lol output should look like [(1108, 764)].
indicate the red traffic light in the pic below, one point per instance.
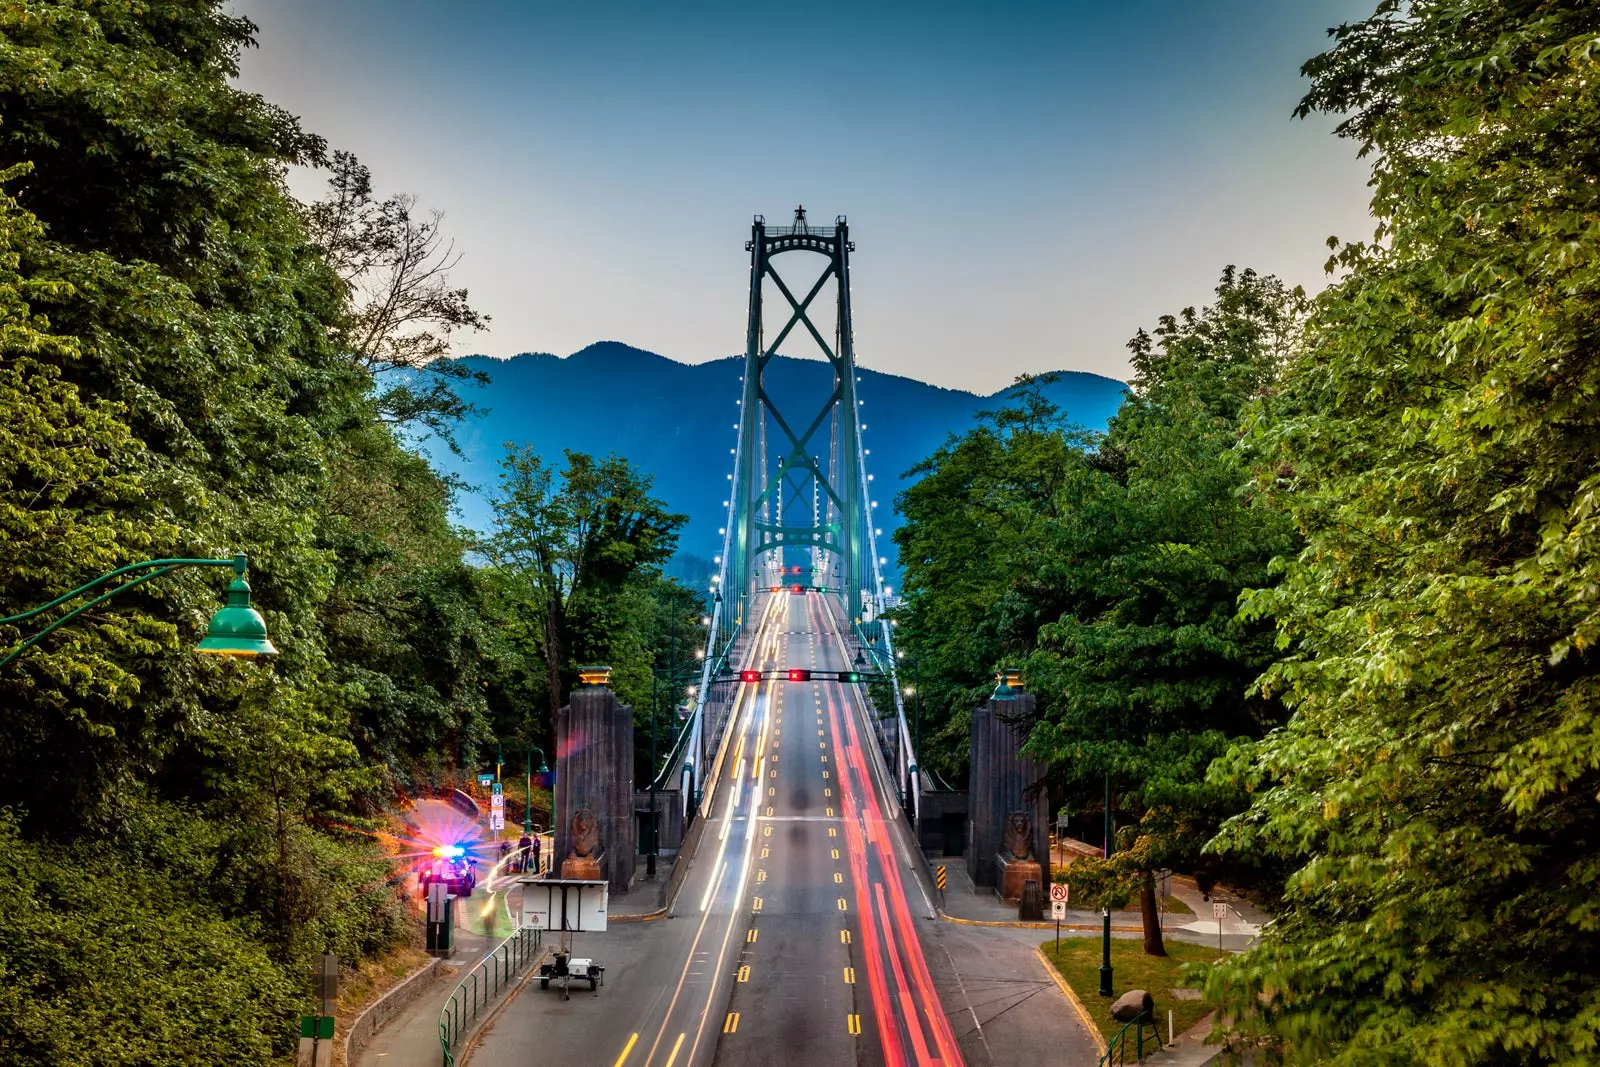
[(749, 676), (794, 570), (796, 674), (797, 589)]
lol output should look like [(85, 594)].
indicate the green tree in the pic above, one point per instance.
[(1435, 788), (1143, 673), (580, 543)]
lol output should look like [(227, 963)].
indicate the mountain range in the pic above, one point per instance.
[(675, 421)]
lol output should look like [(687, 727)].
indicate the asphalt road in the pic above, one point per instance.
[(802, 933)]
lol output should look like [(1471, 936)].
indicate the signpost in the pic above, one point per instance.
[(316, 1031), (1219, 911), (1059, 892), (485, 780), (497, 809)]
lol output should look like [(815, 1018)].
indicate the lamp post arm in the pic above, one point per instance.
[(237, 563), (163, 566)]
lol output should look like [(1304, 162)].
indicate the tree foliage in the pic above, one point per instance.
[(1436, 787), (189, 367)]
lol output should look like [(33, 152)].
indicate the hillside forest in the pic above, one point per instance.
[(194, 364)]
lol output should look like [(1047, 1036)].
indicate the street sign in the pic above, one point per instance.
[(1058, 910), (1058, 893), (497, 802), (497, 820), (1219, 910), (495, 788), (1163, 882), (939, 877), (497, 809), (485, 779)]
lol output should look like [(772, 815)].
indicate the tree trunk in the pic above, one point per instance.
[(1153, 945), (554, 653)]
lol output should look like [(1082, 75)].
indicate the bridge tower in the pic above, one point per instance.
[(798, 479)]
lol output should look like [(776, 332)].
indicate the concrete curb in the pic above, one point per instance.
[(380, 1011), (1077, 1005), (483, 1024), (1019, 925), (639, 917)]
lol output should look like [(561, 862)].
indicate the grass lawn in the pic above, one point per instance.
[(1079, 965), (1174, 906)]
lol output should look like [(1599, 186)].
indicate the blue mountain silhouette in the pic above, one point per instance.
[(676, 421)]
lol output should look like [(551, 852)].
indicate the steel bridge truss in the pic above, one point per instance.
[(810, 494)]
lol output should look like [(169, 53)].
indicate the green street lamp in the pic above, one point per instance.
[(237, 629)]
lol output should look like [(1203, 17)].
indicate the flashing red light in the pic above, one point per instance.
[(749, 676), (797, 589), (797, 674), (774, 589)]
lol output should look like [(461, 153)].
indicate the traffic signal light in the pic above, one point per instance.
[(749, 676), (797, 589), (850, 676), (797, 674)]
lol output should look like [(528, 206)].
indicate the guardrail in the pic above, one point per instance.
[(485, 982), (1119, 1044)]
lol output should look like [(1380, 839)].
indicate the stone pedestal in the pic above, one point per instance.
[(1001, 782), (582, 867), (594, 770), (1011, 875)]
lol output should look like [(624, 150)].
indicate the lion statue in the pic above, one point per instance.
[(585, 834), (1017, 845)]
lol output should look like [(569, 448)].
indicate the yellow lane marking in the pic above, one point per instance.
[(675, 1047), (761, 876), (849, 976), (824, 773), (844, 905), (626, 1049), (768, 832), (744, 973), (751, 935), (829, 811), (772, 790), (824, 759), (822, 744), (819, 733), (765, 853), (769, 809), (827, 792), (835, 853), (774, 774), (838, 878), (853, 1024), (755, 904), (844, 937), (730, 1025), (833, 831)]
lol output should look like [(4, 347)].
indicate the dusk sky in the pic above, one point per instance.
[(1027, 183)]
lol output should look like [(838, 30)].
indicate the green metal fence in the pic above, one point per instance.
[(482, 984), (1118, 1047)]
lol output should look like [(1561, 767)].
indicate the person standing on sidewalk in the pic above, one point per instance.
[(524, 847)]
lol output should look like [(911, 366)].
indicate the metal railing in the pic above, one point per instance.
[(485, 981), (1118, 1045)]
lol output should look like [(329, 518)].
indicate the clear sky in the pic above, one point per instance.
[(1027, 183)]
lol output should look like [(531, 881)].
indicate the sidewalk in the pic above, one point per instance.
[(964, 902), (411, 1039)]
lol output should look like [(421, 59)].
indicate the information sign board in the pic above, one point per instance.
[(485, 779), (1058, 910), (1058, 892)]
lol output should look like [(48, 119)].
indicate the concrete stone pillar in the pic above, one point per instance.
[(594, 770), (1000, 778)]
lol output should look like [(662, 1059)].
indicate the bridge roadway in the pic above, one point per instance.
[(795, 937)]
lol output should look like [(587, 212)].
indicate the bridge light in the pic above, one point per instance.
[(799, 674), (749, 676), (797, 589)]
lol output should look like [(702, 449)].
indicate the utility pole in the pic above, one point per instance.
[(1105, 938)]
